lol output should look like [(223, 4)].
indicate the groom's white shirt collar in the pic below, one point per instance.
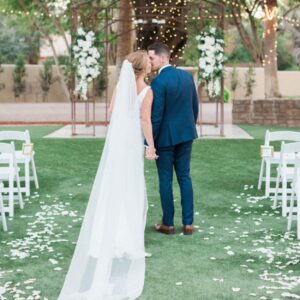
[(168, 65)]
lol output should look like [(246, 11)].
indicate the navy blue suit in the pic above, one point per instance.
[(174, 115)]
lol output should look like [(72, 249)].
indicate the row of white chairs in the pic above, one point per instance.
[(295, 194), (10, 162), (286, 161), (2, 213)]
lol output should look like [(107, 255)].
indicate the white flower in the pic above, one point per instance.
[(83, 71), (211, 60), (86, 55), (209, 69), (58, 7), (209, 41), (202, 63), (80, 31), (80, 43), (210, 87), (76, 48), (82, 60)]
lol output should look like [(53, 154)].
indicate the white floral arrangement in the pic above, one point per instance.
[(58, 7), (86, 57), (211, 61)]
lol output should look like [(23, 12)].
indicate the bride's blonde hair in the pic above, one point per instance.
[(139, 61)]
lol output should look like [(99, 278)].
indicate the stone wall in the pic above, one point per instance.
[(267, 112), (33, 92)]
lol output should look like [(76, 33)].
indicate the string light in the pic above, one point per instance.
[(270, 14), (167, 28)]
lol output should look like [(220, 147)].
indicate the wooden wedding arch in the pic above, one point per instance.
[(207, 10)]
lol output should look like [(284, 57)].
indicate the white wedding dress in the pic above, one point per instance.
[(109, 258)]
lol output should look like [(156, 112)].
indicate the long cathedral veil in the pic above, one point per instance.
[(109, 258)]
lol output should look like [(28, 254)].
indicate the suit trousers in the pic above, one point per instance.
[(176, 158)]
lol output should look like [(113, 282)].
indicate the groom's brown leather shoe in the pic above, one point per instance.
[(164, 228), (188, 229)]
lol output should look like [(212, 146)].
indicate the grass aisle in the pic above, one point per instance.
[(239, 250)]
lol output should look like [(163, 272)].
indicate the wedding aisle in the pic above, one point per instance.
[(240, 249)]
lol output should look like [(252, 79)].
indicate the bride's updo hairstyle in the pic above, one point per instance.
[(139, 61)]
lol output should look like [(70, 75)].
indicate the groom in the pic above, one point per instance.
[(174, 115)]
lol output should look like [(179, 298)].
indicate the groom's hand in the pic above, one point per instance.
[(151, 153)]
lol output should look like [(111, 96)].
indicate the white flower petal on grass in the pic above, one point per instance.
[(2, 290), (218, 279), (53, 261), (290, 295)]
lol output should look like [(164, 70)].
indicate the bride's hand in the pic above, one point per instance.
[(151, 153)]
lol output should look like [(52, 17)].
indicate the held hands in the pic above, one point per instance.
[(151, 153)]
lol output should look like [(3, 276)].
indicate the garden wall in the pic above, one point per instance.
[(281, 112), (33, 93)]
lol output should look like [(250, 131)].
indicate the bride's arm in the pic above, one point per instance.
[(146, 122)]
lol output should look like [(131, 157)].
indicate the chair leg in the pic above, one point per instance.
[(11, 196), (261, 174), (284, 196), (19, 191), (276, 192), (3, 217), (27, 178), (298, 216), (268, 177), (34, 173), (290, 216)]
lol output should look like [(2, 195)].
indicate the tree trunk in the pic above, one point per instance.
[(124, 32), (270, 63), (249, 39)]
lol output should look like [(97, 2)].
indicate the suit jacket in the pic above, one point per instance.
[(175, 107)]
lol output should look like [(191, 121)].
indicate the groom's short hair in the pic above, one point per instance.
[(160, 49)]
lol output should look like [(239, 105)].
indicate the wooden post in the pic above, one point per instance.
[(106, 68), (222, 79), (74, 25)]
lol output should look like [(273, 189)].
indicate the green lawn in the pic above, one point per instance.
[(240, 250)]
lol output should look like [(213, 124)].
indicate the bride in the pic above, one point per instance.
[(109, 259)]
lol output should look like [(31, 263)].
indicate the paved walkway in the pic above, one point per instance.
[(60, 113), (210, 132)]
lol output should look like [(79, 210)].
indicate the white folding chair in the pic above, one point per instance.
[(2, 212), (9, 172), (285, 172), (295, 193), (267, 162), (27, 160)]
